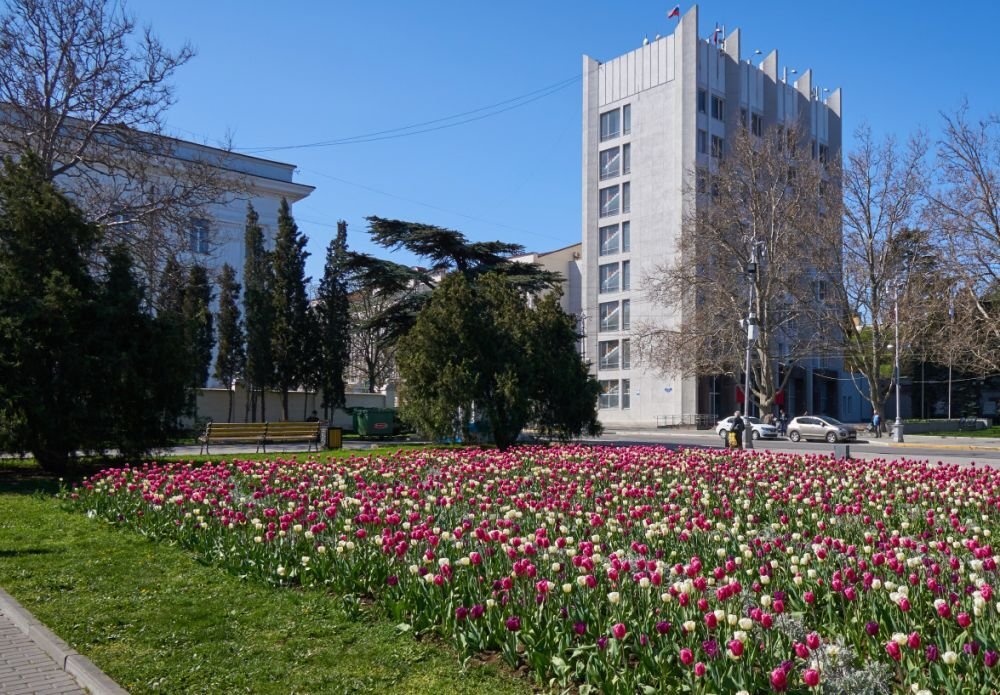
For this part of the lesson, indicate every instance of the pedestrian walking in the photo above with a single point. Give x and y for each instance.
(877, 425)
(738, 428)
(782, 423)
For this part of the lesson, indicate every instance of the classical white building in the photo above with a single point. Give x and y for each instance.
(218, 238)
(650, 118)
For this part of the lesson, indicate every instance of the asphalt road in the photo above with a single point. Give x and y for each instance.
(921, 447)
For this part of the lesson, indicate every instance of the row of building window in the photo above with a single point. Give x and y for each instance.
(615, 238)
(615, 394)
(614, 354)
(718, 105)
(614, 277)
(616, 161)
(616, 122)
(717, 144)
(615, 316)
(615, 200)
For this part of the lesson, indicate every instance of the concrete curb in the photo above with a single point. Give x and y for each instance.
(73, 663)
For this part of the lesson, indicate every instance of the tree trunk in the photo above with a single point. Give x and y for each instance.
(284, 404)
(229, 415)
(263, 405)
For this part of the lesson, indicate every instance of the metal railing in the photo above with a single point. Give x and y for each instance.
(701, 421)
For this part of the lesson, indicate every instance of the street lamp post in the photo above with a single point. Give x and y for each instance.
(751, 337)
(897, 428)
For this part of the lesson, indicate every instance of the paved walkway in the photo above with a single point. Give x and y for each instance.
(25, 668)
(33, 659)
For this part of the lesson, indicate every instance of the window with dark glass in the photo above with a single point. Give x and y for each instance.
(626, 158)
(610, 278)
(610, 163)
(609, 240)
(610, 125)
(609, 315)
(626, 234)
(718, 108)
(626, 119)
(610, 201)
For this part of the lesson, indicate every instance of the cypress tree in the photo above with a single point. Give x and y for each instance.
(334, 322)
(289, 331)
(231, 358)
(199, 324)
(257, 311)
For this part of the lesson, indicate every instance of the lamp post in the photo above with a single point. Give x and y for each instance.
(752, 330)
(897, 428)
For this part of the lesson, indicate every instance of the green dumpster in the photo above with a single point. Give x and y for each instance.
(374, 422)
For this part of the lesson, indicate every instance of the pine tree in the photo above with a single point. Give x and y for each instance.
(289, 305)
(257, 311)
(230, 361)
(480, 351)
(334, 322)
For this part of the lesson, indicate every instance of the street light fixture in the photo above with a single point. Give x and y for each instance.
(752, 333)
(897, 427)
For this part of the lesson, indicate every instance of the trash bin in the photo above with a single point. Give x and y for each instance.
(334, 438)
(375, 422)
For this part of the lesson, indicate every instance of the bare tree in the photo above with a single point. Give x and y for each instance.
(373, 343)
(767, 197)
(966, 207)
(86, 91)
(888, 257)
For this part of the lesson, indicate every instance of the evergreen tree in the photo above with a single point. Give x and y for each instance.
(334, 322)
(257, 311)
(47, 308)
(231, 358)
(199, 324)
(144, 367)
(482, 353)
(289, 331)
(83, 364)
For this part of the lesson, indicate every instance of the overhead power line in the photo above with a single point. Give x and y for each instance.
(442, 123)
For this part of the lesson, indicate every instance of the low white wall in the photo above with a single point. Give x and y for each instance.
(214, 403)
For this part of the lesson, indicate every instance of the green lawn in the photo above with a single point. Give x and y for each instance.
(988, 432)
(156, 620)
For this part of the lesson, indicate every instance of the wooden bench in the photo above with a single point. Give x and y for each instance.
(261, 434)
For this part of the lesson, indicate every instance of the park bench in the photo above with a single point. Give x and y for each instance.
(260, 433)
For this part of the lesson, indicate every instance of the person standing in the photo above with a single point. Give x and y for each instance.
(782, 423)
(738, 429)
(877, 425)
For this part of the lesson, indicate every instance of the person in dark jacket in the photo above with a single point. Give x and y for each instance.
(738, 429)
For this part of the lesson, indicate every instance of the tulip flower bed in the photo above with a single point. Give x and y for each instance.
(621, 569)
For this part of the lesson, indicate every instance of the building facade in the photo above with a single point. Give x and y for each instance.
(651, 119)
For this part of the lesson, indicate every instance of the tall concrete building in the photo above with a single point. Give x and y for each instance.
(650, 118)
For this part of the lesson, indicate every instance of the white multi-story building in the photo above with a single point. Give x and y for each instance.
(650, 118)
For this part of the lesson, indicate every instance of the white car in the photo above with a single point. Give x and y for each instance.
(759, 429)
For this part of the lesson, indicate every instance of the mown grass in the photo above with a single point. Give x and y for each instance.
(988, 432)
(156, 620)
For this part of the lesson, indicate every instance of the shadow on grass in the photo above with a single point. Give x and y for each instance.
(26, 551)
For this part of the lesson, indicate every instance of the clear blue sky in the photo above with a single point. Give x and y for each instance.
(271, 74)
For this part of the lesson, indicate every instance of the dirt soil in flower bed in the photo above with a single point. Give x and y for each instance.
(617, 569)
(157, 618)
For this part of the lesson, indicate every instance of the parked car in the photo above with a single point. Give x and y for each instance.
(759, 429)
(820, 427)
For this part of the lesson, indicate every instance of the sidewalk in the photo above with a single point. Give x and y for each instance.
(34, 661)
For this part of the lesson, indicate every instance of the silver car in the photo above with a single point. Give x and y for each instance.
(758, 428)
(820, 427)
